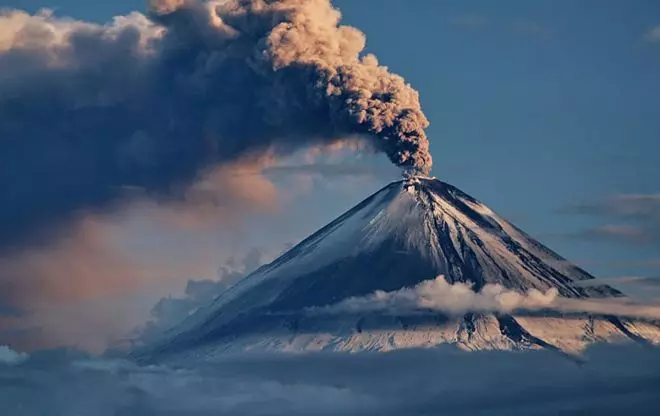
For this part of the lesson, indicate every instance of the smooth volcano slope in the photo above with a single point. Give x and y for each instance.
(408, 232)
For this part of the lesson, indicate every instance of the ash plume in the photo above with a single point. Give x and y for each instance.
(154, 100)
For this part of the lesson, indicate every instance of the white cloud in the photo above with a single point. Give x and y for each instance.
(459, 298)
(9, 356)
(456, 299)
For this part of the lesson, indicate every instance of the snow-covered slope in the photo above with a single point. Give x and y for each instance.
(408, 232)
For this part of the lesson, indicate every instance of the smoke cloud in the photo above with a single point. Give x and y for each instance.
(460, 298)
(153, 101)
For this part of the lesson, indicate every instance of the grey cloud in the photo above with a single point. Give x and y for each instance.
(616, 233)
(625, 205)
(653, 34)
(637, 218)
(171, 311)
(151, 101)
(647, 281)
(613, 380)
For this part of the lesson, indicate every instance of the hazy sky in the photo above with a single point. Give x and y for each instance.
(547, 111)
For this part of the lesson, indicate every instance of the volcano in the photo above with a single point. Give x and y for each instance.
(407, 233)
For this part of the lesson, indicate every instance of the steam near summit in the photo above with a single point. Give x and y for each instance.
(150, 101)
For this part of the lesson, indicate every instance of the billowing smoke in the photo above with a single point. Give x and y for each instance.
(153, 101)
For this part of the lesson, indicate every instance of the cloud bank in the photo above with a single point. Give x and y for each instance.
(460, 298)
(613, 380)
(150, 101)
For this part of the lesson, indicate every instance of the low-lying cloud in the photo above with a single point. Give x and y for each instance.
(460, 298)
(613, 380)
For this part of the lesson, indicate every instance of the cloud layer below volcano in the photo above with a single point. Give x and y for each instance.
(613, 380)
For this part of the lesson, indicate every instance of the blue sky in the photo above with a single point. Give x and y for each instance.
(536, 108)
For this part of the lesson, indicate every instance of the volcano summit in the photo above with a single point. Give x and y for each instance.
(398, 239)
